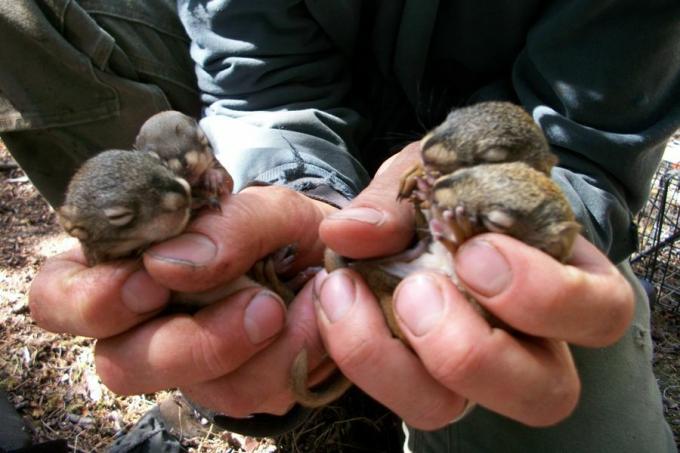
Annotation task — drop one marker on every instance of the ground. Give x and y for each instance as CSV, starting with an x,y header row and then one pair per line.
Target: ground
x,y
52,382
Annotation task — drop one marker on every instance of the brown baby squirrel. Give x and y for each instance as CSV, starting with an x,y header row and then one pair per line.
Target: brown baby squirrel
x,y
119,202
486,168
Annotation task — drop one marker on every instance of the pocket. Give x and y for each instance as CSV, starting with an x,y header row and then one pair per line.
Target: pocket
x,y
50,57
152,40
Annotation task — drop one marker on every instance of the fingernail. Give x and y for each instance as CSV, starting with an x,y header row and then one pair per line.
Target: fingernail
x,y
191,249
336,295
319,278
482,268
363,215
142,294
264,316
419,303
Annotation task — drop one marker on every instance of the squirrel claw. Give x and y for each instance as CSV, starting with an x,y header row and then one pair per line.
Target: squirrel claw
x,y
218,181
409,181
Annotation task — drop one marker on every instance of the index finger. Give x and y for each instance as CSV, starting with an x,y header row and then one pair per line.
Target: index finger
x,y
67,296
375,223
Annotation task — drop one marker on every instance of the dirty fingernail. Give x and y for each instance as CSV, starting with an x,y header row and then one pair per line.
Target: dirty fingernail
x,y
363,215
142,294
419,303
482,268
191,249
264,316
336,295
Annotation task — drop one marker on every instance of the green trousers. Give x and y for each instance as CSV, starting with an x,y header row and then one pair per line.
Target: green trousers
x,y
80,77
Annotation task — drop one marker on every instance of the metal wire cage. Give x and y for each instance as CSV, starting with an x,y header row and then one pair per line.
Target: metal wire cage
x,y
657,261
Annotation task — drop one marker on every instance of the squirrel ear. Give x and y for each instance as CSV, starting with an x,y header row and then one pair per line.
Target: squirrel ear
x,y
201,137
563,238
139,144
68,212
67,215
547,161
79,233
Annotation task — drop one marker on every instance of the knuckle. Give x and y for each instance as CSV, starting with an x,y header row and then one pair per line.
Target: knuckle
x,y
354,356
237,403
39,308
211,354
112,375
232,398
93,317
89,314
620,311
460,363
280,405
616,304
427,423
558,401
623,294
557,394
239,408
35,307
436,415
304,328
565,398
556,298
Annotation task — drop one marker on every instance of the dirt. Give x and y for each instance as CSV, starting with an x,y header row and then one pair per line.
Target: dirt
x,y
52,382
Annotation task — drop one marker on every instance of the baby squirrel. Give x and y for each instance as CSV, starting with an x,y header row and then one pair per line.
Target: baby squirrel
x,y
485,168
184,148
119,201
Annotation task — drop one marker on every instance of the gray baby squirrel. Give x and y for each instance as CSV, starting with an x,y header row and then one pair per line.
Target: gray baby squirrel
x,y
119,202
486,168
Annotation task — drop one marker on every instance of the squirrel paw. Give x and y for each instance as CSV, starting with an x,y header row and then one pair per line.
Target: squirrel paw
x,y
512,198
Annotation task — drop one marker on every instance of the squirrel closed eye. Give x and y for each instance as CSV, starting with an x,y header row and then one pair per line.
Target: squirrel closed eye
x,y
119,202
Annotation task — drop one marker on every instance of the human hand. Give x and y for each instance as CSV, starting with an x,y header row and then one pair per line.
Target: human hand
x,y
528,375
233,356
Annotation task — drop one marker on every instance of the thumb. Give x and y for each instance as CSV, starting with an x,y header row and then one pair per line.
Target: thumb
x,y
375,223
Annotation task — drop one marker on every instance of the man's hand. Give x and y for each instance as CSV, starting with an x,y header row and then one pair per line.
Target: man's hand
x,y
233,356
528,376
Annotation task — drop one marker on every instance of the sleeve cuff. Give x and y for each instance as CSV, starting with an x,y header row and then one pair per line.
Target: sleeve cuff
x,y
283,157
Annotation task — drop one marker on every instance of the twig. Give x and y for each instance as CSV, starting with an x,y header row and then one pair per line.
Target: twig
x,y
204,438
49,428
